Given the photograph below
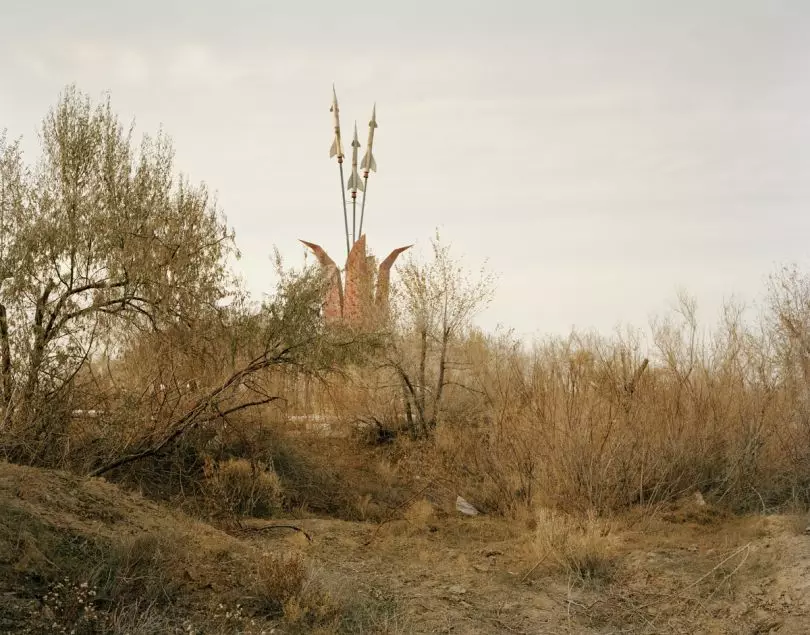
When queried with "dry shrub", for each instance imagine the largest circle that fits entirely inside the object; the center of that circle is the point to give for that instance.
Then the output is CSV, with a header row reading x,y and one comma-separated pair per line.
x,y
94,586
578,423
47,441
581,547
286,588
366,509
600,423
378,613
608,423
336,477
420,513
71,608
238,487
140,569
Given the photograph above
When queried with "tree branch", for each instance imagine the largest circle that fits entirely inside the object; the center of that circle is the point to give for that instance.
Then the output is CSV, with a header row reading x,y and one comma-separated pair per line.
x,y
191,419
187,423
55,326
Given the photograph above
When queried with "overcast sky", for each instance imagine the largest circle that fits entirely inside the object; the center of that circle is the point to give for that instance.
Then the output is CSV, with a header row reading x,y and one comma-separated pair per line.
x,y
599,154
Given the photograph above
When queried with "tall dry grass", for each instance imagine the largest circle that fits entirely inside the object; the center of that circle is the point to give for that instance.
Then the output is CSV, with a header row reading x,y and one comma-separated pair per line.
x,y
595,423
582,423
602,423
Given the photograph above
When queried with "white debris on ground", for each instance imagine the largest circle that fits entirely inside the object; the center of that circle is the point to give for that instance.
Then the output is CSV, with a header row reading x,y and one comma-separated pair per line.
x,y
465,508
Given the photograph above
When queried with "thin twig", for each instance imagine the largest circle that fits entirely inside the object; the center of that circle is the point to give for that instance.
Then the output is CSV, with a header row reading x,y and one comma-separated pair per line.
x,y
727,577
247,530
534,568
745,547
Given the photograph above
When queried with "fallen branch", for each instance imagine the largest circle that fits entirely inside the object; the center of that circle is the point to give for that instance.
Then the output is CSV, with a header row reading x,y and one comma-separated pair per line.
x,y
534,568
247,530
187,422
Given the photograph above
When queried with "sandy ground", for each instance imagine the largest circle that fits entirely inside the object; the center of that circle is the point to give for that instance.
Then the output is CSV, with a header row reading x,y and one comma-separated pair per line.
x,y
679,573
687,569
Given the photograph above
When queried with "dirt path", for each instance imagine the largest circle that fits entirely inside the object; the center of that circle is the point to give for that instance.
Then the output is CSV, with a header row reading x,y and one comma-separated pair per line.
x,y
684,570
449,577
459,575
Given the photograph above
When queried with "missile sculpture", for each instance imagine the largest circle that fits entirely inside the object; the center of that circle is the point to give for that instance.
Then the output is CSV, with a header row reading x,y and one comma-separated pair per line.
x,y
337,150
355,301
368,162
337,144
354,183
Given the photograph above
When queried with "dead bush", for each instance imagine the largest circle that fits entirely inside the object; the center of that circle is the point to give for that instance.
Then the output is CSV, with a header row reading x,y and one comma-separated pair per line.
x,y
286,588
239,487
580,547
589,422
139,569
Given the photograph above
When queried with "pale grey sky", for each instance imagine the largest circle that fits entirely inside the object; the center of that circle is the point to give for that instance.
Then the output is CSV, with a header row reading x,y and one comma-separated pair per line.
x,y
600,153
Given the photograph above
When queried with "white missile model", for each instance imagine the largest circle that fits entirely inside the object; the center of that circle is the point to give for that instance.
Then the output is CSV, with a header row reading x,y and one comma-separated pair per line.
x,y
337,150
354,182
337,145
368,161
368,164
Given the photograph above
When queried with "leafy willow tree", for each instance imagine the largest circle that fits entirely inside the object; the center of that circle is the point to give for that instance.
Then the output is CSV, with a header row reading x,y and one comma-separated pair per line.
x,y
97,238
251,351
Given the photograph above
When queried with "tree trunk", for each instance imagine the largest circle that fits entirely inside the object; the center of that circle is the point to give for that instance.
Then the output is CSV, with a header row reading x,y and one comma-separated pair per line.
x,y
422,371
5,361
440,382
37,351
406,400
410,389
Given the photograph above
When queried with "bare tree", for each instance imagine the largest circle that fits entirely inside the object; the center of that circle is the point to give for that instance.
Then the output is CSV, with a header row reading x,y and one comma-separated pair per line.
x,y
435,303
789,318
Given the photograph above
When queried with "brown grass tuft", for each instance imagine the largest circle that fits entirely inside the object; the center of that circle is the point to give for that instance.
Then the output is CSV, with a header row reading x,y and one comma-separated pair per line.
x,y
286,588
238,487
583,548
420,513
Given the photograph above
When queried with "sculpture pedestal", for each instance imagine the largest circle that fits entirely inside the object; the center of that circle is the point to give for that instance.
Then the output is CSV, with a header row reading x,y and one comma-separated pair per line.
x,y
360,301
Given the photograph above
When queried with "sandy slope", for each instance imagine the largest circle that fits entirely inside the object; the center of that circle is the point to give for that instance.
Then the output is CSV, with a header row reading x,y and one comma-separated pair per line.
x,y
689,570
